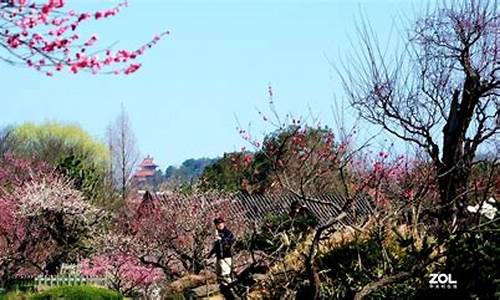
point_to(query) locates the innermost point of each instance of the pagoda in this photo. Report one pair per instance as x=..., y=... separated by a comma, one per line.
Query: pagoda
x=146, y=170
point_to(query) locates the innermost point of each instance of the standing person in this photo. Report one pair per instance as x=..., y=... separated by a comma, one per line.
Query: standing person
x=222, y=249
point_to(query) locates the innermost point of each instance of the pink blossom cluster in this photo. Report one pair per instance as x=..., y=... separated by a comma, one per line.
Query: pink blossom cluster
x=16, y=171
x=390, y=180
x=299, y=153
x=44, y=36
x=124, y=271
x=39, y=211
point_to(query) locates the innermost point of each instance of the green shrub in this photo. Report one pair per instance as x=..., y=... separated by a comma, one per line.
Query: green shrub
x=14, y=295
x=383, y=252
x=83, y=292
x=474, y=259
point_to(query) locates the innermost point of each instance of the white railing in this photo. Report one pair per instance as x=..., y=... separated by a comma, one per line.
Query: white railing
x=57, y=280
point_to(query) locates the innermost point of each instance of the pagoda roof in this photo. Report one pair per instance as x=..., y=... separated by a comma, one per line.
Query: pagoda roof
x=148, y=162
x=144, y=173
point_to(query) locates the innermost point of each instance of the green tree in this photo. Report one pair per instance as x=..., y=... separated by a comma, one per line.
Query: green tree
x=295, y=158
x=69, y=149
x=86, y=178
x=7, y=141
x=226, y=174
x=52, y=141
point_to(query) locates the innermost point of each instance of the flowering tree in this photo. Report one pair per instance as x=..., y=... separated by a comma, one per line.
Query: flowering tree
x=440, y=94
x=307, y=161
x=43, y=35
x=168, y=235
x=405, y=191
x=70, y=149
x=44, y=221
x=296, y=158
x=181, y=235
x=125, y=273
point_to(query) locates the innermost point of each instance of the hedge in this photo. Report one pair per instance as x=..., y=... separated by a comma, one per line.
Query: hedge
x=82, y=292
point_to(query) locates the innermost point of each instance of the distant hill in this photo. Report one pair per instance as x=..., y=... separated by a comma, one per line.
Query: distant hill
x=189, y=170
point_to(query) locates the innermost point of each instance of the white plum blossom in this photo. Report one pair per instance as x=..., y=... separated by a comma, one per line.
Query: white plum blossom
x=57, y=196
x=486, y=208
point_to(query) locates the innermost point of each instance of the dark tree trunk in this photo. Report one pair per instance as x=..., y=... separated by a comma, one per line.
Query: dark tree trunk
x=53, y=265
x=314, y=280
x=454, y=167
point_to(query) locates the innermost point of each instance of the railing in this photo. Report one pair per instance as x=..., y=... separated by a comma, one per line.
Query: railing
x=57, y=280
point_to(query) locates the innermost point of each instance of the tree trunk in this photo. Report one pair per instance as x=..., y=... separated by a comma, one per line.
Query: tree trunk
x=454, y=167
x=452, y=182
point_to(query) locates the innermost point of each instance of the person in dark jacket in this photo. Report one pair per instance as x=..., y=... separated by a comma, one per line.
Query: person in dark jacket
x=222, y=249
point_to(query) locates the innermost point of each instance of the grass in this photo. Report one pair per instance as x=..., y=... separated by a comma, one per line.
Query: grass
x=82, y=292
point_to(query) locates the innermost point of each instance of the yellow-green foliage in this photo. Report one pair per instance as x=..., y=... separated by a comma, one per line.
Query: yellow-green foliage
x=15, y=295
x=71, y=151
x=31, y=135
x=81, y=292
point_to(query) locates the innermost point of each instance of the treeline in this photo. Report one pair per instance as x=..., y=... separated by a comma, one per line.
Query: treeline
x=190, y=170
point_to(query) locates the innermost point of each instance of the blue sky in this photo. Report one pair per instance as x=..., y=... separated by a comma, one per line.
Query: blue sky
x=211, y=71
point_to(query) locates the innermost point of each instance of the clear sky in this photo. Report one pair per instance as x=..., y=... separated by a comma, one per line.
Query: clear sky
x=211, y=71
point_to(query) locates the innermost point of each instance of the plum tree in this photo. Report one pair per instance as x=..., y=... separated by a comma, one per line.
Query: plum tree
x=43, y=35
